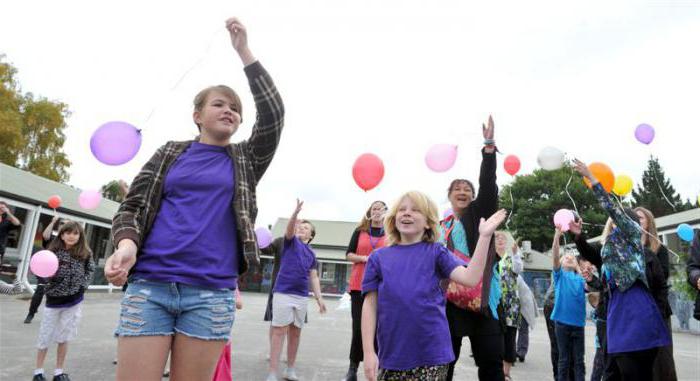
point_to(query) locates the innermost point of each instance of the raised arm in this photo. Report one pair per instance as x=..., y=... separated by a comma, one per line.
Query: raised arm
x=291, y=226
x=269, y=108
x=487, y=198
x=588, y=252
x=13, y=220
x=471, y=275
x=46, y=234
x=555, y=249
x=626, y=225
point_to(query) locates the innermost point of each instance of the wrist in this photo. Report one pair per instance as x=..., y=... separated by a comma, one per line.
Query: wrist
x=246, y=56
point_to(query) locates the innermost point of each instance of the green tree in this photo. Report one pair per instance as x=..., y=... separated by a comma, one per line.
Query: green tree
x=539, y=195
x=115, y=190
x=32, y=129
x=650, y=194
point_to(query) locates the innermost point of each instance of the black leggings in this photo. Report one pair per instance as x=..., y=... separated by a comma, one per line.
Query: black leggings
x=488, y=355
x=37, y=298
x=356, y=353
x=632, y=366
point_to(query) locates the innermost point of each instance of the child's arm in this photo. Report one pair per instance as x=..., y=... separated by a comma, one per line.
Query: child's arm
x=471, y=275
x=11, y=289
x=239, y=300
x=369, y=327
x=316, y=288
x=291, y=226
x=46, y=234
x=555, y=249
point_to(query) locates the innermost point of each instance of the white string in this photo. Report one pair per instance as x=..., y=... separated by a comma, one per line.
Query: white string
x=186, y=73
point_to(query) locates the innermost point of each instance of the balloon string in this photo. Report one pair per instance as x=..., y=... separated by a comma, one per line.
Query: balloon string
x=569, y=194
x=512, y=207
x=186, y=73
x=653, y=171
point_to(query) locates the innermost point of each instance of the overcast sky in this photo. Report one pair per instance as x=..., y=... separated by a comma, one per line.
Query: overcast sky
x=387, y=77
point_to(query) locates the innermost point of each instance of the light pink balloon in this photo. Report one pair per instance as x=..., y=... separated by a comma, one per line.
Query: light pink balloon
x=44, y=264
x=89, y=199
x=562, y=218
x=441, y=157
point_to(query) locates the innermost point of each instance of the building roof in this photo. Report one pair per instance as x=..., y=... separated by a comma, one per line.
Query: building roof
x=536, y=261
x=690, y=217
x=32, y=189
x=329, y=234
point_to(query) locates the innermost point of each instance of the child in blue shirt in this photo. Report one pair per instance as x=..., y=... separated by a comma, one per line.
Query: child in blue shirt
x=569, y=312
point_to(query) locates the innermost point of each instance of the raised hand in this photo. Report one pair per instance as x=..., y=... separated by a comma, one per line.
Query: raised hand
x=299, y=205
x=487, y=227
x=239, y=40
x=514, y=249
x=582, y=169
x=488, y=130
x=575, y=226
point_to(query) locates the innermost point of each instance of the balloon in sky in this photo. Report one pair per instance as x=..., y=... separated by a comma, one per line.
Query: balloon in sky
x=264, y=237
x=623, y=185
x=644, y=133
x=89, y=199
x=685, y=232
x=441, y=157
x=550, y=158
x=562, y=218
x=368, y=171
x=54, y=202
x=603, y=174
x=115, y=143
x=511, y=164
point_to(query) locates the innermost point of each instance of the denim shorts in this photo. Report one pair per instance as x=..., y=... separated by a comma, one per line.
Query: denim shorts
x=163, y=309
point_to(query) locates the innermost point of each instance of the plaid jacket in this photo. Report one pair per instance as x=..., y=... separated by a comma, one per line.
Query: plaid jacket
x=250, y=160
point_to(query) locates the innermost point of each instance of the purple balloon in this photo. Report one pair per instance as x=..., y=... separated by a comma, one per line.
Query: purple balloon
x=264, y=236
x=644, y=133
x=115, y=143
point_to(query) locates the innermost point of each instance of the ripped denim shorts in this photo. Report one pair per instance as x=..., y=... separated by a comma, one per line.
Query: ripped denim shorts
x=163, y=309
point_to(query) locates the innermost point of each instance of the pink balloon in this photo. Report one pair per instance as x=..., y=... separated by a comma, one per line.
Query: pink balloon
x=644, y=133
x=441, y=157
x=115, y=143
x=264, y=237
x=44, y=263
x=448, y=212
x=562, y=218
x=89, y=199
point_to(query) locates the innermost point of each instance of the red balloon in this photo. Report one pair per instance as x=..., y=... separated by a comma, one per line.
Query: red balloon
x=512, y=164
x=54, y=202
x=368, y=171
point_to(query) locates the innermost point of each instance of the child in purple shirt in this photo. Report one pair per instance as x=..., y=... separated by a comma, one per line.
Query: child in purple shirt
x=291, y=292
x=404, y=303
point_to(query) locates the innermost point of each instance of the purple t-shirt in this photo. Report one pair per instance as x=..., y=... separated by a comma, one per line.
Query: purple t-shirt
x=194, y=239
x=412, y=328
x=297, y=261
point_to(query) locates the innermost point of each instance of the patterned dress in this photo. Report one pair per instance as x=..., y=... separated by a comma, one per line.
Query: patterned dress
x=509, y=292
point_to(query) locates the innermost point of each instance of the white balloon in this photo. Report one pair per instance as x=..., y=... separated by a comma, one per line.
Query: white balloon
x=550, y=158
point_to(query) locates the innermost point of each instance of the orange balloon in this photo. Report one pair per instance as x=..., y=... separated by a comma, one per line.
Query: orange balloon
x=603, y=174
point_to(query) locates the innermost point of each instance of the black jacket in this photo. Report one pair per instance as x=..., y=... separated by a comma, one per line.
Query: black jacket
x=463, y=322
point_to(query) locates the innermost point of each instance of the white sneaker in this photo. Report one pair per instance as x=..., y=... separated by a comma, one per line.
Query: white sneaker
x=271, y=377
x=290, y=374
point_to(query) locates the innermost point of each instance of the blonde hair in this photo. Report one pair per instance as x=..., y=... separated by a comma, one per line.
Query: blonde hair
x=425, y=206
x=509, y=240
x=653, y=240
